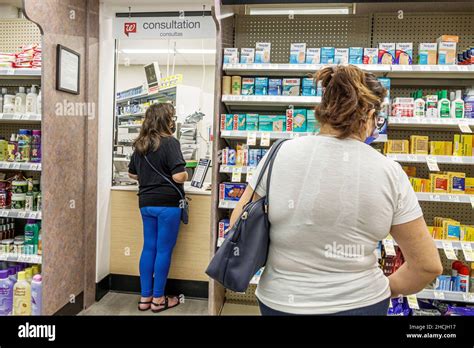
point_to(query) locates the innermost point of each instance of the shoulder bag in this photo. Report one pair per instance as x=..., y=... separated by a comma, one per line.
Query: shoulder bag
x=245, y=249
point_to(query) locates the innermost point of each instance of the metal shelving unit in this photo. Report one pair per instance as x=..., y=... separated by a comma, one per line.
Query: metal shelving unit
x=409, y=158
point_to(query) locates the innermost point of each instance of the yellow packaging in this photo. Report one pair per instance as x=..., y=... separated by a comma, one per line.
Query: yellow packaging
x=397, y=146
x=425, y=185
x=457, y=147
x=437, y=233
x=3, y=150
x=456, y=182
x=469, y=186
x=467, y=233
x=439, y=183
x=441, y=148
x=447, y=223
x=466, y=141
x=409, y=170
x=448, y=148
x=419, y=144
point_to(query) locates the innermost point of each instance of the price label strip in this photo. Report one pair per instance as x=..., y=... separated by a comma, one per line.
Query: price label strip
x=467, y=251
x=464, y=127
x=432, y=164
x=449, y=250
x=439, y=295
x=389, y=247
x=236, y=174
x=265, y=139
x=251, y=138
x=413, y=302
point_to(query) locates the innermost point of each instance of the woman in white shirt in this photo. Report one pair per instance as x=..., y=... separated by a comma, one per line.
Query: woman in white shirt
x=332, y=199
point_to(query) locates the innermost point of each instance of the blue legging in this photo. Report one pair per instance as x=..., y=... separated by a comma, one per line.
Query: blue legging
x=160, y=231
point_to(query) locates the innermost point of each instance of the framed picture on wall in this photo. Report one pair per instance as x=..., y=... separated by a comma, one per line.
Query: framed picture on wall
x=68, y=64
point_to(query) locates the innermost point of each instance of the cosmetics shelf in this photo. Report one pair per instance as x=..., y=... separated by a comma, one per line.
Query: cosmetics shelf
x=10, y=73
x=425, y=122
x=227, y=204
x=165, y=92
x=454, y=296
x=33, y=167
x=269, y=100
x=15, y=257
x=407, y=158
x=19, y=118
x=18, y=214
x=444, y=198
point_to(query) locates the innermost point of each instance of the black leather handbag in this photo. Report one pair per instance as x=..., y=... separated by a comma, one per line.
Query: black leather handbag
x=245, y=249
x=183, y=202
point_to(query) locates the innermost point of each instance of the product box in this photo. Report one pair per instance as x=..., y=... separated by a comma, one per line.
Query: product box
x=248, y=86
x=457, y=145
x=231, y=55
x=274, y=86
x=385, y=81
x=467, y=233
x=327, y=55
x=427, y=53
x=439, y=183
x=4, y=150
x=312, y=125
x=271, y=123
x=228, y=121
x=467, y=142
x=341, y=56
x=469, y=186
x=386, y=53
x=355, y=55
x=410, y=171
x=247, y=55
x=298, y=53
x=261, y=85
x=313, y=56
x=397, y=146
x=456, y=182
x=404, y=53
x=448, y=38
x=308, y=86
x=291, y=87
x=241, y=155
x=371, y=55
x=446, y=53
x=419, y=144
x=252, y=122
x=223, y=226
x=254, y=157
x=296, y=120
x=241, y=122
x=441, y=148
x=231, y=191
x=262, y=52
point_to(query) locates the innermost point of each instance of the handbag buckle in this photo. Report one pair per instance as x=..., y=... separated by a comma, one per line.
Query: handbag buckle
x=265, y=208
x=244, y=215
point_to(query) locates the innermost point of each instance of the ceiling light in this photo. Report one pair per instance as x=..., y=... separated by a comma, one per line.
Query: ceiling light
x=298, y=11
x=166, y=51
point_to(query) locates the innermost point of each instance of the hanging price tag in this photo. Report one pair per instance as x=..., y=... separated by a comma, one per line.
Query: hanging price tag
x=449, y=250
x=471, y=198
x=250, y=171
x=389, y=247
x=236, y=174
x=265, y=139
x=21, y=214
x=467, y=251
x=413, y=302
x=464, y=127
x=439, y=295
x=251, y=138
x=432, y=163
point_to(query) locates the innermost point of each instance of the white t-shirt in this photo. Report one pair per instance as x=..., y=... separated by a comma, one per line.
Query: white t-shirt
x=330, y=203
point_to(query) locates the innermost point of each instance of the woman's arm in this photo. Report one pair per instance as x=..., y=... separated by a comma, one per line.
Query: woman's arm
x=422, y=263
x=246, y=197
x=180, y=178
x=133, y=176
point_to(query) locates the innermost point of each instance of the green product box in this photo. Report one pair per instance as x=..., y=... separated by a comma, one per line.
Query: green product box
x=271, y=123
x=241, y=125
x=229, y=122
x=252, y=122
x=299, y=120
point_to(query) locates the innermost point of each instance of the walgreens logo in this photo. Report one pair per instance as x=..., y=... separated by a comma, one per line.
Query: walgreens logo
x=129, y=28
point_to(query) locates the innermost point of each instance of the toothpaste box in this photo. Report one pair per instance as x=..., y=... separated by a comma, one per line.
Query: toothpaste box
x=386, y=53
x=274, y=86
x=296, y=120
x=261, y=85
x=355, y=55
x=446, y=53
x=313, y=56
x=297, y=53
x=327, y=55
x=427, y=53
x=247, y=55
x=262, y=52
x=308, y=86
x=404, y=53
x=371, y=55
x=231, y=55
x=252, y=122
x=223, y=226
x=341, y=56
x=291, y=87
x=229, y=191
x=271, y=123
x=248, y=86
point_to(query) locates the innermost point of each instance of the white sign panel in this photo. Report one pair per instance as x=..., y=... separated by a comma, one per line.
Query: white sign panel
x=196, y=27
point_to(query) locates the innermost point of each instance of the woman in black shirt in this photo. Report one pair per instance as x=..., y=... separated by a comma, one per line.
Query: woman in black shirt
x=158, y=201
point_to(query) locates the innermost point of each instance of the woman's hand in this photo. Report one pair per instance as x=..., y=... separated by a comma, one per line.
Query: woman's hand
x=180, y=178
x=133, y=176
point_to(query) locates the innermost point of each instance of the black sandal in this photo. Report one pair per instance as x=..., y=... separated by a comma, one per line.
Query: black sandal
x=164, y=304
x=145, y=309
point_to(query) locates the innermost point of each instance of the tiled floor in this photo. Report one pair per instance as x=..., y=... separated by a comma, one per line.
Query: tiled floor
x=115, y=303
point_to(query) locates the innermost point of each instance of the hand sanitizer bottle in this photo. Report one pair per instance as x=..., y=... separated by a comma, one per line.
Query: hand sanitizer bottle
x=457, y=106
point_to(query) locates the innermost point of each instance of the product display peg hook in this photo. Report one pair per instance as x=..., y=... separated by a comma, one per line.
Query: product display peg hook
x=203, y=9
x=129, y=12
x=291, y=14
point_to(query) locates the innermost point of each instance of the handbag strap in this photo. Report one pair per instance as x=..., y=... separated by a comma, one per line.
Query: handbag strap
x=269, y=175
x=164, y=177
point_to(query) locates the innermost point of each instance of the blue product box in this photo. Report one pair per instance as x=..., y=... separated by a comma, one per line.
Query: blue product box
x=223, y=226
x=231, y=191
x=229, y=122
x=252, y=122
x=341, y=56
x=262, y=153
x=299, y=120
x=261, y=85
x=241, y=122
x=247, y=55
x=297, y=53
x=291, y=86
x=311, y=121
x=355, y=55
x=308, y=86
x=274, y=86
x=386, y=83
x=313, y=56
x=327, y=55
x=271, y=123
x=248, y=86
x=255, y=155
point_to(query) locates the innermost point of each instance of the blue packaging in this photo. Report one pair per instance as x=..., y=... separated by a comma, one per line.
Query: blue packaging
x=229, y=122
x=299, y=120
x=252, y=122
x=312, y=125
x=308, y=86
x=355, y=55
x=274, y=86
x=231, y=157
x=241, y=122
x=297, y=53
x=248, y=86
x=255, y=155
x=261, y=85
x=231, y=191
x=262, y=153
x=271, y=123
x=327, y=55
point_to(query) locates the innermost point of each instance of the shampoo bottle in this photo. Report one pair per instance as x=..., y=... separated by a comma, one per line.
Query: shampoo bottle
x=31, y=101
x=22, y=296
x=36, y=294
x=469, y=104
x=444, y=105
x=6, y=293
x=20, y=101
x=457, y=106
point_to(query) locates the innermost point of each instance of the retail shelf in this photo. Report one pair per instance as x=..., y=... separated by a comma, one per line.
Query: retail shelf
x=121, y=159
x=166, y=92
x=139, y=114
x=19, y=118
x=269, y=100
x=229, y=169
x=20, y=166
x=20, y=214
x=456, y=244
x=444, y=198
x=133, y=126
x=469, y=160
x=15, y=257
x=227, y=204
x=432, y=71
x=10, y=73
x=426, y=122
x=454, y=296
x=273, y=135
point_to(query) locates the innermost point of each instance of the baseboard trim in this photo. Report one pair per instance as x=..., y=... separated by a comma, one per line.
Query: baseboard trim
x=189, y=288
x=102, y=288
x=72, y=308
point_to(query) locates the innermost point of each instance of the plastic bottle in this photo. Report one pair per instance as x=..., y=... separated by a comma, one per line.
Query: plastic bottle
x=22, y=296
x=469, y=104
x=20, y=101
x=30, y=204
x=36, y=146
x=4, y=91
x=24, y=145
x=464, y=279
x=35, y=270
x=444, y=105
x=36, y=294
x=472, y=277
x=12, y=148
x=39, y=201
x=31, y=237
x=31, y=103
x=419, y=105
x=457, y=106
x=12, y=274
x=8, y=104
x=38, y=103
x=28, y=274
x=6, y=294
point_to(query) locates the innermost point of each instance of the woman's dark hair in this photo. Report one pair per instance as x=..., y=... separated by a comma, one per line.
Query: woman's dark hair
x=156, y=125
x=349, y=94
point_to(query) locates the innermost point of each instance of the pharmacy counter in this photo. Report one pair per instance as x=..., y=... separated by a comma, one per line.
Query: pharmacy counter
x=191, y=253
